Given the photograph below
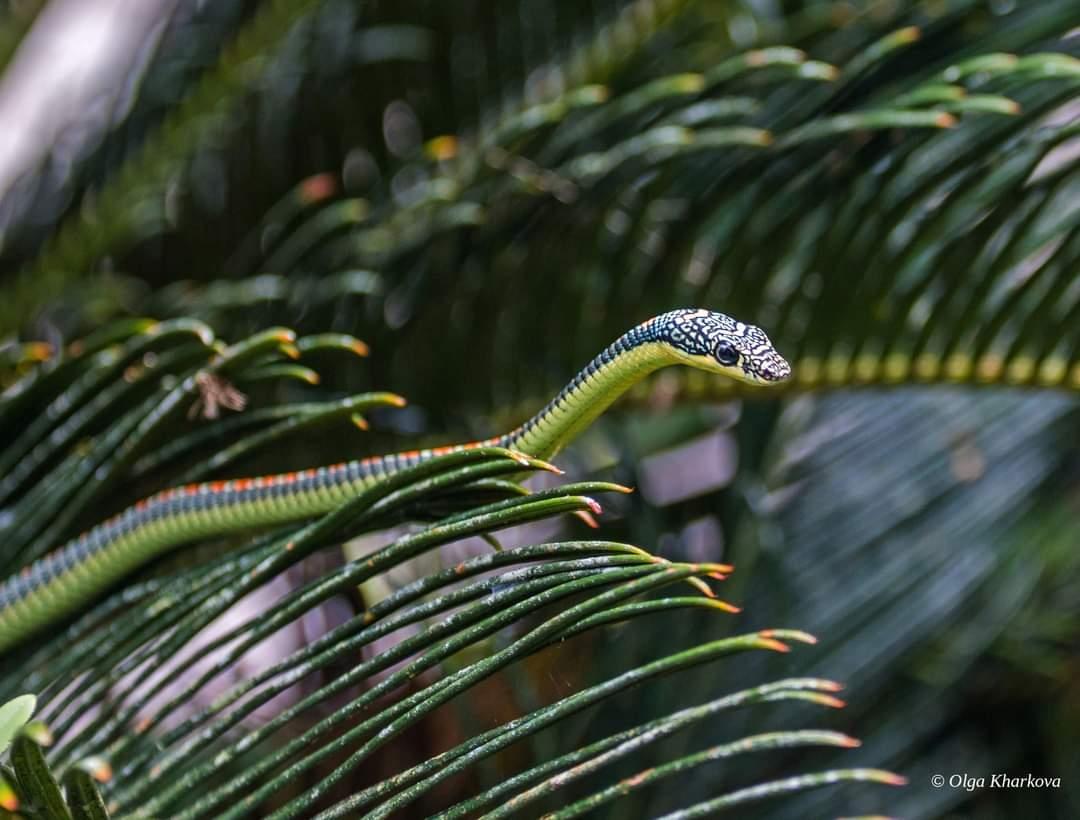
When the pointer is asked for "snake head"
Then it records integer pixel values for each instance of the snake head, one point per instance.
(718, 343)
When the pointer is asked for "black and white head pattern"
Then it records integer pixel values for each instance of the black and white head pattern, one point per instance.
(731, 344)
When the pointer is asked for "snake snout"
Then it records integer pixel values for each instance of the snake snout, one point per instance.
(776, 370)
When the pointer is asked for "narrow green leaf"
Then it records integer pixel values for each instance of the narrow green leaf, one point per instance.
(981, 103)
(753, 743)
(83, 797)
(929, 94)
(588, 759)
(543, 717)
(36, 780)
(752, 60)
(774, 788)
(865, 121)
(880, 50)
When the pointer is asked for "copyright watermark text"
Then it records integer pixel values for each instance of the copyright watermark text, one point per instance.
(999, 780)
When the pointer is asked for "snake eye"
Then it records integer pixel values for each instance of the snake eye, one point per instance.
(726, 353)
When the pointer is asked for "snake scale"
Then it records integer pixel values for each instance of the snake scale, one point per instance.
(63, 581)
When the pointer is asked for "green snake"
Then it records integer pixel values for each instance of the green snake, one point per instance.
(63, 581)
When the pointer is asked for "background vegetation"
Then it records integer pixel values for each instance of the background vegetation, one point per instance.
(485, 194)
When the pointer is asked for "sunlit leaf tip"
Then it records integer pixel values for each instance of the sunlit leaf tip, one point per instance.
(98, 768)
(283, 335)
(773, 644)
(826, 700)
(587, 519)
(39, 732)
(789, 635)
(724, 606)
(538, 463)
(701, 587)
(891, 778)
(304, 374)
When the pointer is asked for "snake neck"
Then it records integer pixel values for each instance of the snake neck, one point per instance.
(618, 368)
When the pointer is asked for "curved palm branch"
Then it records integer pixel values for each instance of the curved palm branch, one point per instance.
(109, 417)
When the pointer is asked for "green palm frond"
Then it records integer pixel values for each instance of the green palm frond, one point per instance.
(109, 417)
(744, 184)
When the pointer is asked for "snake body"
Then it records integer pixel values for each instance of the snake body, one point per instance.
(66, 579)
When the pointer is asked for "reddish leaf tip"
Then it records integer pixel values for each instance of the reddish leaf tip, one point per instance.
(588, 519)
(701, 587)
(101, 771)
(776, 646)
